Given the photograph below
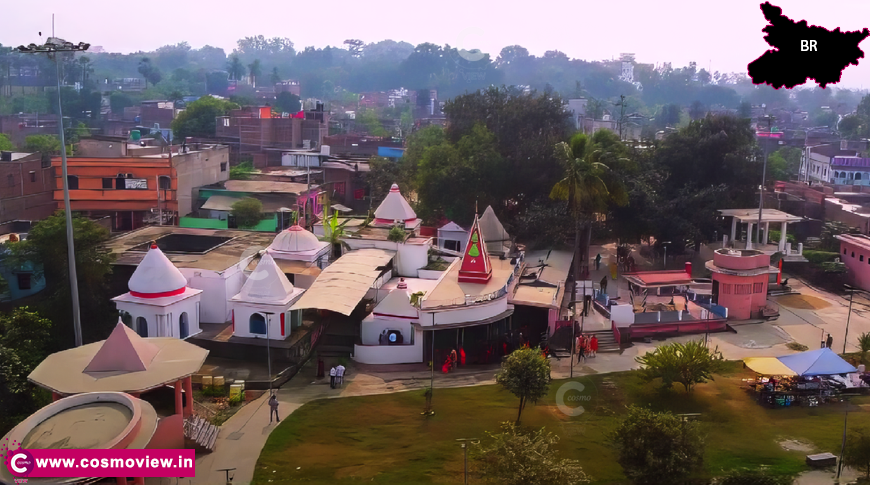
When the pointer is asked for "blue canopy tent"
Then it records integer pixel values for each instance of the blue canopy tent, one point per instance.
(821, 362)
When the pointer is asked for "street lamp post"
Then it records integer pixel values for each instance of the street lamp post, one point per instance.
(268, 351)
(573, 338)
(849, 317)
(761, 188)
(465, 442)
(665, 246)
(52, 47)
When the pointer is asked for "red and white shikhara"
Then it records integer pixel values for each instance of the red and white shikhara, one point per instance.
(159, 303)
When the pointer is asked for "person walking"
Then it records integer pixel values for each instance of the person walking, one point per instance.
(830, 341)
(454, 358)
(273, 406)
(598, 262)
(581, 348)
(332, 373)
(339, 375)
(593, 345)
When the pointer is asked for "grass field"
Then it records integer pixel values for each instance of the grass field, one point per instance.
(384, 439)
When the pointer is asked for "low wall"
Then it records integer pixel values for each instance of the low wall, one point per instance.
(388, 354)
(639, 331)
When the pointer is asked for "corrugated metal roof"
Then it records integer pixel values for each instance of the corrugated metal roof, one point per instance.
(342, 285)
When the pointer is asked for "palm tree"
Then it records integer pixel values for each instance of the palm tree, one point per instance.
(276, 78)
(589, 187)
(254, 70)
(145, 69)
(235, 68)
(333, 231)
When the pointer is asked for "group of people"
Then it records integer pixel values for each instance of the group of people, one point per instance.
(336, 376)
(586, 346)
(453, 359)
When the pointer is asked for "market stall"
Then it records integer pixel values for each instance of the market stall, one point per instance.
(804, 379)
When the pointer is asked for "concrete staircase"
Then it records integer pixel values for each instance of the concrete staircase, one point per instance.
(200, 434)
(606, 341)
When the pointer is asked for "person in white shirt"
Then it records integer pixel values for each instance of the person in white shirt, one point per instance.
(339, 374)
(332, 373)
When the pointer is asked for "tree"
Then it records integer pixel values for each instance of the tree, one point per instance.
(198, 119)
(355, 47)
(6, 143)
(745, 109)
(396, 235)
(119, 101)
(858, 450)
(46, 249)
(697, 110)
(248, 212)
(46, 144)
(526, 374)
(255, 70)
(368, 120)
(24, 343)
(150, 72)
(288, 102)
(518, 457)
(334, 232)
(668, 115)
(275, 77)
(588, 188)
(235, 68)
(242, 171)
(656, 448)
(689, 364)
(784, 163)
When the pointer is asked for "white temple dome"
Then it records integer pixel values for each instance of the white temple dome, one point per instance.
(296, 239)
(266, 284)
(395, 208)
(156, 276)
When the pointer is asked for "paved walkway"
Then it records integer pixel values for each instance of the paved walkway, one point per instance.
(243, 436)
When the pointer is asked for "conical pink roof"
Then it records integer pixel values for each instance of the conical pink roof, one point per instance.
(397, 304)
(267, 283)
(156, 276)
(394, 208)
(123, 351)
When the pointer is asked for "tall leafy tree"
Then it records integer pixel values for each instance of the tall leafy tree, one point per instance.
(589, 188)
(275, 77)
(526, 374)
(199, 118)
(46, 247)
(25, 338)
(149, 71)
(235, 68)
(656, 447)
(6, 143)
(520, 457)
(255, 70)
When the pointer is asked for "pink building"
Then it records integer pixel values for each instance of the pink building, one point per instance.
(740, 278)
(855, 254)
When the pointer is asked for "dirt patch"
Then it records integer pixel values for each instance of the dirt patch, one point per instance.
(794, 445)
(803, 302)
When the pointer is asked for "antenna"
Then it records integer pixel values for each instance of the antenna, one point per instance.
(52, 25)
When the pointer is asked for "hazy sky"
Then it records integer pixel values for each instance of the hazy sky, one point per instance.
(723, 33)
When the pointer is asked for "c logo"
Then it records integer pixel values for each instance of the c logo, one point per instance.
(21, 463)
(560, 398)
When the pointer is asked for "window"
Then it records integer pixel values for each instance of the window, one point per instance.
(223, 166)
(73, 182)
(142, 327)
(183, 326)
(120, 184)
(33, 176)
(127, 318)
(10, 180)
(725, 288)
(451, 245)
(24, 281)
(836, 174)
(257, 324)
(758, 287)
(853, 254)
(743, 289)
(46, 162)
(226, 121)
(858, 176)
(164, 182)
(861, 258)
(107, 183)
(844, 250)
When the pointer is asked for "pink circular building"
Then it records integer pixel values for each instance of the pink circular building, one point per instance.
(740, 278)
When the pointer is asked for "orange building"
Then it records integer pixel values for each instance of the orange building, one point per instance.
(134, 191)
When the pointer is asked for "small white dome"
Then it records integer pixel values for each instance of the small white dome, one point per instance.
(294, 240)
(156, 276)
(395, 208)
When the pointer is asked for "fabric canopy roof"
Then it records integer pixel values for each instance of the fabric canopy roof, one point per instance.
(821, 362)
(769, 366)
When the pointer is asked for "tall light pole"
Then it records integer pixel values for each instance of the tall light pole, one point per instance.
(761, 188)
(465, 442)
(268, 352)
(665, 246)
(52, 47)
(849, 317)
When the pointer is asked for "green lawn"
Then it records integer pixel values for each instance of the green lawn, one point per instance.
(384, 439)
